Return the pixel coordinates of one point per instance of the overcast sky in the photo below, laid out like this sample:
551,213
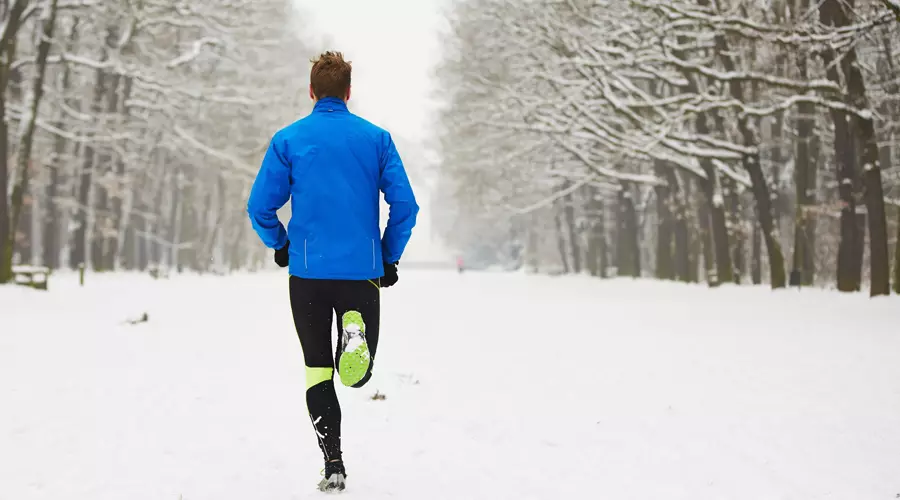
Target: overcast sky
393,46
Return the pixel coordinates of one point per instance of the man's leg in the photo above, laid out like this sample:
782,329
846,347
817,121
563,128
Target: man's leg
362,297
311,304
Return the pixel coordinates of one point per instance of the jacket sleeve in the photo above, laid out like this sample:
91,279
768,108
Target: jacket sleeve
270,191
402,202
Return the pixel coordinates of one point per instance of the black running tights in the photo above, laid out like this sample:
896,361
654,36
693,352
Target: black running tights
316,305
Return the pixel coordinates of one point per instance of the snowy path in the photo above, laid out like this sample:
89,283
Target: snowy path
498,387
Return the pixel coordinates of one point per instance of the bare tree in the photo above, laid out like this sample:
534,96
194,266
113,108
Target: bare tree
546,99
134,117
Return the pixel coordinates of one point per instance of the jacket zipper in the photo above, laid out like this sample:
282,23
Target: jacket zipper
305,260
373,256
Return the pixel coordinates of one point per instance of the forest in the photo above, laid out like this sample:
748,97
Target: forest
132,129
718,141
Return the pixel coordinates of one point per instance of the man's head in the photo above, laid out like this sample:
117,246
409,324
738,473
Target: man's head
330,77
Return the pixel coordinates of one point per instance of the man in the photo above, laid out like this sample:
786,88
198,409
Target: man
332,165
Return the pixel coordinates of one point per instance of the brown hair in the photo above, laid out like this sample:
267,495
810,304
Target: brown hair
330,76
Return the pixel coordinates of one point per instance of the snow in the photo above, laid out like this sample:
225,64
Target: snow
31,269
354,340
672,391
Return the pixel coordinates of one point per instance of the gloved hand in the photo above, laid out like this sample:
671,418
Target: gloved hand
390,275
282,256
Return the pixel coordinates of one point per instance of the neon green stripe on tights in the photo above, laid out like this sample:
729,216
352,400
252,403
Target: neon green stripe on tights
315,376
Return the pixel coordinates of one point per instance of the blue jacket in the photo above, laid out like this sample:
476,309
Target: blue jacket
332,165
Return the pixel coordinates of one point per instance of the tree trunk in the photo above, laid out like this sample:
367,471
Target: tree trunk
23,236
592,214
695,234
756,266
134,236
52,214
681,229
591,257
700,249
221,219
831,12
205,228
574,246
118,216
733,214
7,55
897,257
682,250
106,192
101,220
751,163
603,244
777,161
190,227
806,155
5,248
860,250
635,236
629,251
130,249
879,257
892,111
681,261
622,263
560,241
708,241
719,230
766,222
716,222
735,225
81,238
24,165
848,279
238,259
805,173
174,232
154,234
664,260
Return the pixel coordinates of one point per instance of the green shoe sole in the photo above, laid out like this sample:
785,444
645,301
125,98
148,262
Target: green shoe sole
354,362
354,365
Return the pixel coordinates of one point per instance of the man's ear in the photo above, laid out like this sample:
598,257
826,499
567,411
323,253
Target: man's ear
348,93
312,95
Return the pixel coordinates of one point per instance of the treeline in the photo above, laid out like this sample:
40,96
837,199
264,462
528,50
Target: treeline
130,130
719,140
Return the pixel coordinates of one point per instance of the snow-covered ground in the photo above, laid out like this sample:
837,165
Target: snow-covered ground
498,386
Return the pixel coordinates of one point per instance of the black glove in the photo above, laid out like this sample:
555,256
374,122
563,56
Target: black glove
390,275
282,256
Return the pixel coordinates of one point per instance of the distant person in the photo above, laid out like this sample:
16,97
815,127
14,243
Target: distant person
332,165
459,265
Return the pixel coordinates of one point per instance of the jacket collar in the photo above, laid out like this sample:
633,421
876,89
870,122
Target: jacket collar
330,104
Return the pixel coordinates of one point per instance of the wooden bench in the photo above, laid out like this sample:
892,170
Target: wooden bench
31,276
